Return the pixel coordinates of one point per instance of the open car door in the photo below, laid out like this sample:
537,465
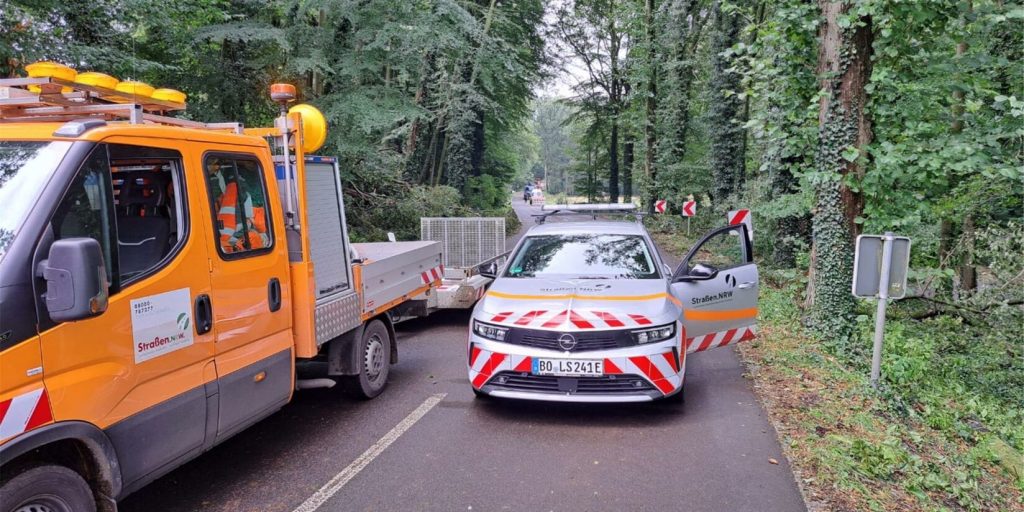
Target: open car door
717,284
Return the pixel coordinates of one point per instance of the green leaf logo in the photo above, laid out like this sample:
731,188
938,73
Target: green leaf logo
183,321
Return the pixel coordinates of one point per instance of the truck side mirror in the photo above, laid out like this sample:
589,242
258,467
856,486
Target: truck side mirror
76,280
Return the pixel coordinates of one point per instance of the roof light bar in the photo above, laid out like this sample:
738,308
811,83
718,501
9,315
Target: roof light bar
596,207
587,209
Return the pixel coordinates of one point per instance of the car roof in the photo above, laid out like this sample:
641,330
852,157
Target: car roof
588,227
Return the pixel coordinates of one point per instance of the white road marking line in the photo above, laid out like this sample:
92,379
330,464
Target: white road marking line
335,484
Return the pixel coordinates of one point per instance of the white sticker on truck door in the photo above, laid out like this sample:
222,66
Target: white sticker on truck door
161,324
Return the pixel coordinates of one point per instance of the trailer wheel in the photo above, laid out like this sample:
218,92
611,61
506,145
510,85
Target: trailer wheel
374,355
47,488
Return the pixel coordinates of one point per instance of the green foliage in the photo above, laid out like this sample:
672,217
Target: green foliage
414,93
930,439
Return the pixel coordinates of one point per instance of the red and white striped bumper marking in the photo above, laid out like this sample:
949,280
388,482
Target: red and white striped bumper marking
662,370
433,274
24,412
580,319
720,338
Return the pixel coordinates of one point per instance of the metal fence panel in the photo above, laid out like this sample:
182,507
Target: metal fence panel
466,241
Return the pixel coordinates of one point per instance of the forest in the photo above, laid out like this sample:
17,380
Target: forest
827,119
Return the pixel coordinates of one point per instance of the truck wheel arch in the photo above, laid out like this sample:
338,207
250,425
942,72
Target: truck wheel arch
342,356
80,445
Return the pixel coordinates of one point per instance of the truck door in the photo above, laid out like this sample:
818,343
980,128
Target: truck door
250,296
717,284
138,370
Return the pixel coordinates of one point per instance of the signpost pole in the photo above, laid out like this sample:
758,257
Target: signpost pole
687,227
883,298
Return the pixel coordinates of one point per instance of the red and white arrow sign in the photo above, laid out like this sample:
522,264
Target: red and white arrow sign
742,216
689,208
659,205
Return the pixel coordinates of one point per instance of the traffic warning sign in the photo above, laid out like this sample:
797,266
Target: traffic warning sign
742,216
689,208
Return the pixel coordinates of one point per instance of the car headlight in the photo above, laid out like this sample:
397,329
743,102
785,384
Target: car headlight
491,332
653,334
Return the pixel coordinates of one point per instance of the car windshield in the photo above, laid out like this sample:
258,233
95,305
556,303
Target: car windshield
25,168
584,256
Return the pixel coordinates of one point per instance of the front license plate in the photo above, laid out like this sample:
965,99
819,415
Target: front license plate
568,367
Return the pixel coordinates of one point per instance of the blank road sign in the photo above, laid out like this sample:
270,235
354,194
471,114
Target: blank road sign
867,266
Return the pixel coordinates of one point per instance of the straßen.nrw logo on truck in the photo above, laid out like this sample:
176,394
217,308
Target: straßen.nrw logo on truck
161,324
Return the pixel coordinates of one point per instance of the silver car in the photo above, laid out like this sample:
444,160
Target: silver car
589,312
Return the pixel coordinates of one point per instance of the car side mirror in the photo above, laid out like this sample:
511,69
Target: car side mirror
76,280
489,270
699,272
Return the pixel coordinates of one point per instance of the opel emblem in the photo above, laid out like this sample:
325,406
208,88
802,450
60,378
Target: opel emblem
567,342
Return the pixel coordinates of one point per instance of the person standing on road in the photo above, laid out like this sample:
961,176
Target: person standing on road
528,194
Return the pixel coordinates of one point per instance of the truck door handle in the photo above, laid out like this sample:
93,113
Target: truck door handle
744,286
274,294
204,314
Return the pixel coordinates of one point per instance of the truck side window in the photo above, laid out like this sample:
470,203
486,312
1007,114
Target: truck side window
238,199
87,209
148,191
125,197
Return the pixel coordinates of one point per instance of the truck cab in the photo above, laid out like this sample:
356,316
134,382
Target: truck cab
165,284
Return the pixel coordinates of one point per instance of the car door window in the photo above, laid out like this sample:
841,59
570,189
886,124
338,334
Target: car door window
239,202
723,249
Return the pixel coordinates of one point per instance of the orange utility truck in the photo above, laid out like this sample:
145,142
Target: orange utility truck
166,283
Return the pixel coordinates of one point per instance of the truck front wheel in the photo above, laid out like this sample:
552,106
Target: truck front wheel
374,355
47,488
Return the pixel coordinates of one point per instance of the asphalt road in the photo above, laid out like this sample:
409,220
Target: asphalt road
709,454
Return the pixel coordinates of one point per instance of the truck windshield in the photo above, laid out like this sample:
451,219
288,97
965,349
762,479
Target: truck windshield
584,256
25,168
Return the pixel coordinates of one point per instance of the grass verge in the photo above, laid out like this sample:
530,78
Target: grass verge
857,449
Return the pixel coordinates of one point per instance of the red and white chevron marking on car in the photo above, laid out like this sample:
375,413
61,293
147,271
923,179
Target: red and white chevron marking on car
24,412
578,318
720,338
662,370
434,274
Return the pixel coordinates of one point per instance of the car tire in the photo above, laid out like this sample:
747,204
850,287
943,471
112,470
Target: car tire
374,354
677,398
47,487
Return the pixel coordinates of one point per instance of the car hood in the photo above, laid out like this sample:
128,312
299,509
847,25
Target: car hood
578,304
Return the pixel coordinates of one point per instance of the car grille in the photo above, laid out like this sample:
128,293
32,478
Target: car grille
585,341
606,385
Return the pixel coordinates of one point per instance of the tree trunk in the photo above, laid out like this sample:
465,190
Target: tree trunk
627,169
615,105
854,71
652,107
844,63
613,159
685,23
476,155
725,110
968,274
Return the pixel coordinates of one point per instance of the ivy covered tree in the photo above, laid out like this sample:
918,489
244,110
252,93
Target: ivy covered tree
727,156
